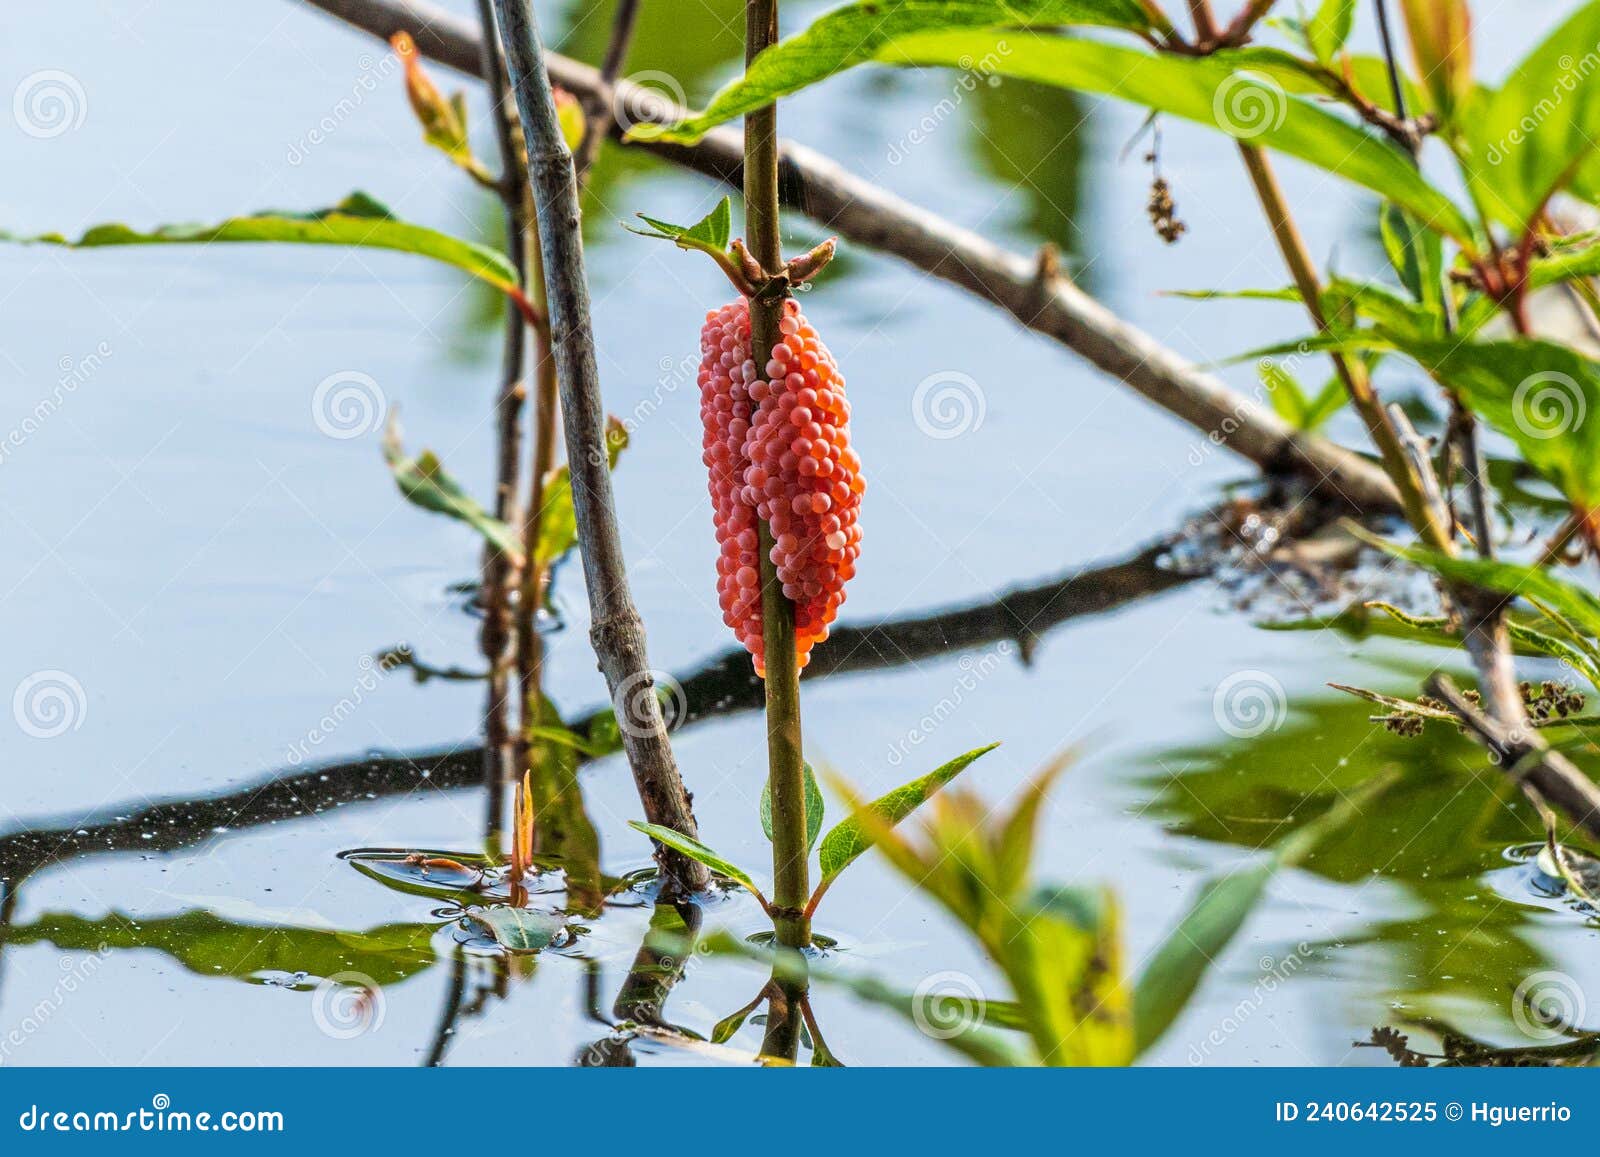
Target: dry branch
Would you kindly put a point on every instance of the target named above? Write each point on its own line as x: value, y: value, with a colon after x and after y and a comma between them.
x: 616, y: 631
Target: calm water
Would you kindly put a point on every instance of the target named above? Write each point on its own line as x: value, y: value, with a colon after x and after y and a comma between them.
x: 214, y: 571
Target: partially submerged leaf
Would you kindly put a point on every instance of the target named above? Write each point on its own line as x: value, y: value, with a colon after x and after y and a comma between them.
x: 519, y: 930
x: 424, y: 481
x: 697, y: 851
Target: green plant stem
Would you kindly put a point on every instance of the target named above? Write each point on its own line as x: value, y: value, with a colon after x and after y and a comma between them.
x: 785, y: 761
x: 1354, y: 376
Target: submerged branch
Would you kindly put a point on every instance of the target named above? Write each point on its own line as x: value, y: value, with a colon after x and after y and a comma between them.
x: 724, y: 685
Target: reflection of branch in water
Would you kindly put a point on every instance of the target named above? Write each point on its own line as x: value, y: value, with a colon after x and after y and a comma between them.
x: 1462, y: 1051
x: 642, y: 998
x: 721, y: 686
x: 466, y: 967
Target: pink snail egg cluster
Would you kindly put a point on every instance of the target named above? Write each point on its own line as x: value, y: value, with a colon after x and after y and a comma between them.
x: 777, y: 448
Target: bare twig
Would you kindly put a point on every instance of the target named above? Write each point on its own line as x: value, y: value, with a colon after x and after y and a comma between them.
x: 499, y: 572
x: 616, y: 632
x: 1527, y: 759
x: 597, y: 102
x: 871, y: 216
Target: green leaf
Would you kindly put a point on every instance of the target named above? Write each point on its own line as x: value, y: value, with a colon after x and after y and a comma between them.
x: 849, y: 838
x: 697, y: 851
x: 1510, y: 578
x: 519, y: 930
x: 425, y: 482
x: 558, y: 521
x: 1329, y: 401
x: 711, y: 232
x: 1416, y: 254
x: 1542, y: 395
x: 357, y: 221
x: 1537, y: 133
x: 1219, y: 911
x: 814, y: 808
x: 864, y: 32
x: 1284, y: 392
x: 1329, y: 28
x: 1222, y: 91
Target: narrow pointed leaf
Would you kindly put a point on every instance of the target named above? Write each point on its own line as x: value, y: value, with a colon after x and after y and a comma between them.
x: 697, y: 851
x: 863, y: 32
x: 358, y: 221
x: 1226, y: 91
x: 850, y: 838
